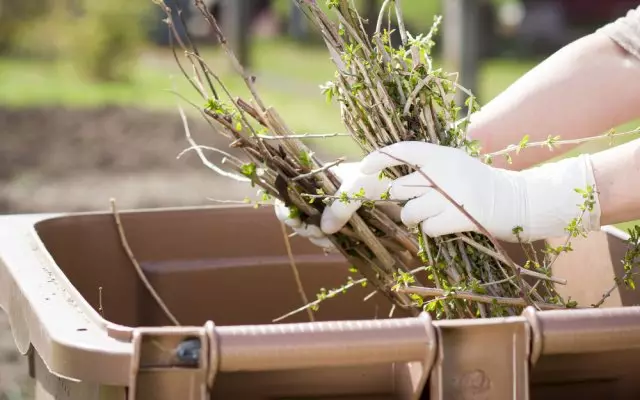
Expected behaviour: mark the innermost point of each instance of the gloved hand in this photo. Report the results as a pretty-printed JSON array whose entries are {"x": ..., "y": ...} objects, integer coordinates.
[
  {"x": 542, "y": 200},
  {"x": 352, "y": 181}
]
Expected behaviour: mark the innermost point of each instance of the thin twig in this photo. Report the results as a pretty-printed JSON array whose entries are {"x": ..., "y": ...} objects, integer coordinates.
[
  {"x": 203, "y": 158},
  {"x": 194, "y": 47},
  {"x": 347, "y": 198},
  {"x": 608, "y": 293},
  {"x": 249, "y": 81},
  {"x": 318, "y": 170},
  {"x": 100, "y": 307},
  {"x": 385, "y": 4},
  {"x": 330, "y": 294},
  {"x": 245, "y": 202},
  {"x": 294, "y": 269},
  {"x": 134, "y": 262},
  {"x": 302, "y": 136},
  {"x": 546, "y": 143},
  {"x": 508, "y": 301},
  {"x": 214, "y": 149},
  {"x": 500, "y": 257}
]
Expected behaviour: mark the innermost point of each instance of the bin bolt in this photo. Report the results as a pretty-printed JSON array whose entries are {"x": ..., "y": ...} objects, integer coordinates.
[{"x": 188, "y": 351}]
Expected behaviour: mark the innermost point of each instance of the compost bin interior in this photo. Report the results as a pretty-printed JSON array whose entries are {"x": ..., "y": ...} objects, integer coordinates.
[{"x": 230, "y": 265}]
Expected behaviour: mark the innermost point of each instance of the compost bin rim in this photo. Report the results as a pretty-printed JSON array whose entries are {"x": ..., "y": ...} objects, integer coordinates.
[
  {"x": 77, "y": 355},
  {"x": 46, "y": 312}
]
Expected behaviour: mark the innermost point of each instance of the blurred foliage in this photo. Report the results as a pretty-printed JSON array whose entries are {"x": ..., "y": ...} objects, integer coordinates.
[
  {"x": 109, "y": 36},
  {"x": 16, "y": 16},
  {"x": 102, "y": 38},
  {"x": 418, "y": 14}
]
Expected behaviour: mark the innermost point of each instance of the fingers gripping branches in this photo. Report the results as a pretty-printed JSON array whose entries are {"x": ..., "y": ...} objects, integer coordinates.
[{"x": 387, "y": 94}]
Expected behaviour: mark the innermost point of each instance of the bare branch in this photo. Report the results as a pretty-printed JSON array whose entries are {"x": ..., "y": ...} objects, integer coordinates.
[{"x": 203, "y": 158}]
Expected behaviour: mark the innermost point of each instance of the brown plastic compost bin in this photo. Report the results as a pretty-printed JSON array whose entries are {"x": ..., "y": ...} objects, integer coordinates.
[{"x": 92, "y": 330}]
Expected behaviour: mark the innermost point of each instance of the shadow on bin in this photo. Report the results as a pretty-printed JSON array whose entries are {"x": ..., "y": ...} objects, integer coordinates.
[{"x": 225, "y": 274}]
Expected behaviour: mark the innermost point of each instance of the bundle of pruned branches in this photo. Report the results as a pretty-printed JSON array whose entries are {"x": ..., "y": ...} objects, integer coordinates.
[{"x": 386, "y": 94}]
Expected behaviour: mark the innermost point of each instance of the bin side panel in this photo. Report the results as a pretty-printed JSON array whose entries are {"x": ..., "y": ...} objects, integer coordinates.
[
  {"x": 590, "y": 270},
  {"x": 51, "y": 387},
  {"x": 587, "y": 375}
]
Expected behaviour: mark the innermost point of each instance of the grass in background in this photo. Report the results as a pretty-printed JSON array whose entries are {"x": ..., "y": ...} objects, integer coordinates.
[{"x": 289, "y": 75}]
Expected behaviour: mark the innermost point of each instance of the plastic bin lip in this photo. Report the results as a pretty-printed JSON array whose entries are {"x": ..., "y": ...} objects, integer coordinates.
[
  {"x": 615, "y": 232},
  {"x": 45, "y": 311}
]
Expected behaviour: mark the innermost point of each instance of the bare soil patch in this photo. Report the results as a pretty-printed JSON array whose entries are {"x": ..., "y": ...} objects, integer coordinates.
[{"x": 62, "y": 159}]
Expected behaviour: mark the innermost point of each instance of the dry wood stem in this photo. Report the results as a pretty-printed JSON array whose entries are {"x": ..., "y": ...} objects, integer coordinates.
[
  {"x": 513, "y": 301},
  {"x": 294, "y": 269},
  {"x": 136, "y": 265}
]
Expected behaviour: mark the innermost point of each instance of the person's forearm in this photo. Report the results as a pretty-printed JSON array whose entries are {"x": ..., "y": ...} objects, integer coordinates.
[
  {"x": 583, "y": 90},
  {"x": 617, "y": 175}
]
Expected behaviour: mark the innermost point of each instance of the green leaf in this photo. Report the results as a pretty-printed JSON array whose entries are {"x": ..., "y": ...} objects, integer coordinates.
[
  {"x": 360, "y": 194},
  {"x": 248, "y": 170},
  {"x": 333, "y": 4},
  {"x": 305, "y": 159},
  {"x": 631, "y": 284},
  {"x": 551, "y": 141},
  {"x": 509, "y": 159},
  {"x": 523, "y": 143},
  {"x": 294, "y": 212}
]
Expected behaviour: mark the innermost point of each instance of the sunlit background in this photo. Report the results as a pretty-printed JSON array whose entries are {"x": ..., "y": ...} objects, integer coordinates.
[{"x": 87, "y": 110}]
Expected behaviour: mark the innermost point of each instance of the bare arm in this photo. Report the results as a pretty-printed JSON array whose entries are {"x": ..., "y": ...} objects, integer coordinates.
[
  {"x": 617, "y": 175},
  {"x": 585, "y": 89}
]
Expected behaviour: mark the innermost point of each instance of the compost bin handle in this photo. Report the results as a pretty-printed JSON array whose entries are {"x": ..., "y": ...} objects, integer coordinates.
[
  {"x": 326, "y": 344},
  {"x": 188, "y": 359},
  {"x": 576, "y": 331}
]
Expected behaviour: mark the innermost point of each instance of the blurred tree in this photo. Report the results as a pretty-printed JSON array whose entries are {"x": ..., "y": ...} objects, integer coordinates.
[
  {"x": 16, "y": 17},
  {"x": 108, "y": 37},
  {"x": 102, "y": 38}
]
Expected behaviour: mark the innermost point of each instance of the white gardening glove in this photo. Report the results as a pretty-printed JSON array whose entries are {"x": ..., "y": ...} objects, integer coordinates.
[
  {"x": 542, "y": 200},
  {"x": 352, "y": 181}
]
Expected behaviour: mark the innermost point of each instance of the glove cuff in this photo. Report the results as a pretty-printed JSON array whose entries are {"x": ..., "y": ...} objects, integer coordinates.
[
  {"x": 593, "y": 222},
  {"x": 552, "y": 199}
]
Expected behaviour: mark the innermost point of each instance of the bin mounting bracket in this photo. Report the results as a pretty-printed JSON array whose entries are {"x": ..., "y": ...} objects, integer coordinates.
[
  {"x": 488, "y": 360},
  {"x": 173, "y": 362}
]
